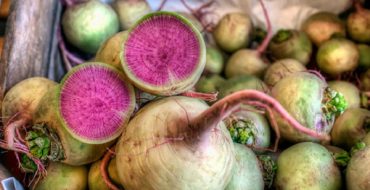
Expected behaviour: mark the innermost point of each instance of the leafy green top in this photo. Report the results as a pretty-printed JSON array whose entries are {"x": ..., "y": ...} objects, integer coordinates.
[
  {"x": 243, "y": 131},
  {"x": 334, "y": 104}
]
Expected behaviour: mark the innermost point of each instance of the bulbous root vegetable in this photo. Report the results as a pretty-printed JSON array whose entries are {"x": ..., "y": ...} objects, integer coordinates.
[
  {"x": 357, "y": 22},
  {"x": 196, "y": 132},
  {"x": 358, "y": 170},
  {"x": 129, "y": 11},
  {"x": 350, "y": 92},
  {"x": 280, "y": 69},
  {"x": 246, "y": 61}
]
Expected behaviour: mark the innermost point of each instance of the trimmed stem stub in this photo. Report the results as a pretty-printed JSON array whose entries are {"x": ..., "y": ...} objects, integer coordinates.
[
  {"x": 282, "y": 36},
  {"x": 95, "y": 102},
  {"x": 44, "y": 143},
  {"x": 334, "y": 104},
  {"x": 269, "y": 167},
  {"x": 243, "y": 131},
  {"x": 164, "y": 54}
]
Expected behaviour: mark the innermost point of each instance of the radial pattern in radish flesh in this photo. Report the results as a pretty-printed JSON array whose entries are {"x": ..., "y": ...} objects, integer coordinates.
[
  {"x": 164, "y": 54},
  {"x": 95, "y": 103}
]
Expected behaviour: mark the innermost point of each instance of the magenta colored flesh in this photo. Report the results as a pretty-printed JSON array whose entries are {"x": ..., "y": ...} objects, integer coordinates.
[
  {"x": 162, "y": 49},
  {"x": 93, "y": 102}
]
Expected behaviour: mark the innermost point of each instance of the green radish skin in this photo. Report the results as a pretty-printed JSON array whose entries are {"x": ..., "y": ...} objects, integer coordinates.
[
  {"x": 109, "y": 51},
  {"x": 280, "y": 69},
  {"x": 172, "y": 155},
  {"x": 95, "y": 179},
  {"x": 308, "y": 166},
  {"x": 129, "y": 11},
  {"x": 350, "y": 92},
  {"x": 291, "y": 44},
  {"x": 74, "y": 152},
  {"x": 193, "y": 20},
  {"x": 358, "y": 170},
  {"x": 240, "y": 83},
  {"x": 350, "y": 127},
  {"x": 364, "y": 60},
  {"x": 357, "y": 24},
  {"x": 321, "y": 26},
  {"x": 337, "y": 55},
  {"x": 304, "y": 96},
  {"x": 245, "y": 62},
  {"x": 172, "y": 83},
  {"x": 233, "y": 32},
  {"x": 63, "y": 176},
  {"x": 24, "y": 97},
  {"x": 340, "y": 156},
  {"x": 81, "y": 29},
  {"x": 214, "y": 61},
  {"x": 247, "y": 173},
  {"x": 209, "y": 84}
]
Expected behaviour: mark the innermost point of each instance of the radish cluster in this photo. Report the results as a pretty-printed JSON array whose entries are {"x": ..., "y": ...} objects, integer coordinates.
[{"x": 169, "y": 101}]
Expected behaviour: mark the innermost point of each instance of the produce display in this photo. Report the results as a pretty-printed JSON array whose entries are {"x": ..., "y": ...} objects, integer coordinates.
[{"x": 158, "y": 99}]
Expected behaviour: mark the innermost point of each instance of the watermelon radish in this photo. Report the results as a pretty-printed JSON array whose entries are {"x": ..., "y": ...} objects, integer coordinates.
[{"x": 164, "y": 54}]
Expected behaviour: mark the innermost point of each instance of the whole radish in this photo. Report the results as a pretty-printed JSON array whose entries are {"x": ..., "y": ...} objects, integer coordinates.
[
  {"x": 248, "y": 61},
  {"x": 233, "y": 32},
  {"x": 307, "y": 98},
  {"x": 350, "y": 127},
  {"x": 292, "y": 44},
  {"x": 181, "y": 143},
  {"x": 247, "y": 172},
  {"x": 321, "y": 26},
  {"x": 308, "y": 166},
  {"x": 337, "y": 55},
  {"x": 357, "y": 23},
  {"x": 88, "y": 24}
]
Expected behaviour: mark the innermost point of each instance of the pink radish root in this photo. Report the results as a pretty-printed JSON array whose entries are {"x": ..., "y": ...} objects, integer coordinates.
[
  {"x": 226, "y": 106},
  {"x": 103, "y": 169},
  {"x": 200, "y": 13},
  {"x": 68, "y": 57},
  {"x": 210, "y": 97},
  {"x": 268, "y": 37}
]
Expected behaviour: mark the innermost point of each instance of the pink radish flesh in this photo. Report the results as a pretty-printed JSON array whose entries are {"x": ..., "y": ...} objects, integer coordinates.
[
  {"x": 162, "y": 49},
  {"x": 94, "y": 102}
]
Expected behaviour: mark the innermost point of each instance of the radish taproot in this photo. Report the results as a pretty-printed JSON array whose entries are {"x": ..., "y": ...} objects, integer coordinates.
[
  {"x": 129, "y": 11},
  {"x": 181, "y": 143},
  {"x": 247, "y": 174},
  {"x": 164, "y": 54},
  {"x": 312, "y": 167},
  {"x": 308, "y": 99},
  {"x": 95, "y": 178},
  {"x": 321, "y": 26},
  {"x": 292, "y": 44},
  {"x": 79, "y": 23}
]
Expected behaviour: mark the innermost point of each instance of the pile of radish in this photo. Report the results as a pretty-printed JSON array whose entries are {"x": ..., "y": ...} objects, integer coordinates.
[{"x": 169, "y": 101}]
